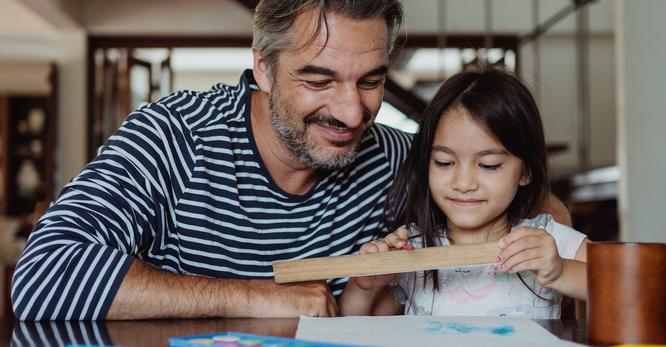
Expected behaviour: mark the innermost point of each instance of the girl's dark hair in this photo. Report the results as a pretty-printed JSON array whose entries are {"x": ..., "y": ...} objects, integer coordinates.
[{"x": 504, "y": 106}]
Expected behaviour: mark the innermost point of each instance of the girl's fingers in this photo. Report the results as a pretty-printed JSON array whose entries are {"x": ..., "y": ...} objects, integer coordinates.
[
  {"x": 545, "y": 276},
  {"x": 403, "y": 233},
  {"x": 528, "y": 265},
  {"x": 529, "y": 255},
  {"x": 333, "y": 309},
  {"x": 398, "y": 239},
  {"x": 394, "y": 240},
  {"x": 375, "y": 246},
  {"x": 520, "y": 245},
  {"x": 517, "y": 234}
]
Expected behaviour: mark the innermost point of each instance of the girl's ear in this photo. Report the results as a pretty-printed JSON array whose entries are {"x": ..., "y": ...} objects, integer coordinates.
[
  {"x": 525, "y": 177},
  {"x": 260, "y": 71}
]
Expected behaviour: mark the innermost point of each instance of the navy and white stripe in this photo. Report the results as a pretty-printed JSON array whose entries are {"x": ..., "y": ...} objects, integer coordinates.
[
  {"x": 180, "y": 186},
  {"x": 65, "y": 333}
]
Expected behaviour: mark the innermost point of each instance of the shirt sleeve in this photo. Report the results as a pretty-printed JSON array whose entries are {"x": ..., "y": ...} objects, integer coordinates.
[
  {"x": 567, "y": 239},
  {"x": 81, "y": 249}
]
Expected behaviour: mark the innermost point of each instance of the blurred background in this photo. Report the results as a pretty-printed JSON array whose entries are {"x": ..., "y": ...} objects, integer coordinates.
[{"x": 72, "y": 70}]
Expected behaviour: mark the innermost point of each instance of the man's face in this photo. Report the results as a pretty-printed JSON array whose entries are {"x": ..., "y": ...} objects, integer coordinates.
[{"x": 324, "y": 95}]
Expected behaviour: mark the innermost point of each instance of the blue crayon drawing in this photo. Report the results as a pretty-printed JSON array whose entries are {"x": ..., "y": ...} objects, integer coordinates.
[{"x": 459, "y": 328}]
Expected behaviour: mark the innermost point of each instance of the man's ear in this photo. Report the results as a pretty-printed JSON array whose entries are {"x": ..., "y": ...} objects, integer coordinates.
[
  {"x": 261, "y": 72},
  {"x": 525, "y": 177}
]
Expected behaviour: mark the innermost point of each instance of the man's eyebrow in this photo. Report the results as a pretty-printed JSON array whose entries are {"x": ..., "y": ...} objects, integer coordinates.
[
  {"x": 315, "y": 70},
  {"x": 320, "y": 70},
  {"x": 378, "y": 71}
]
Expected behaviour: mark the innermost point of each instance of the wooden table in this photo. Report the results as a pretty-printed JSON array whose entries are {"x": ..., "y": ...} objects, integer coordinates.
[{"x": 156, "y": 332}]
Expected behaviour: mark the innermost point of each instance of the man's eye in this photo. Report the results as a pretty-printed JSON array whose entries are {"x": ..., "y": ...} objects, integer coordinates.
[
  {"x": 318, "y": 84},
  {"x": 490, "y": 167},
  {"x": 370, "y": 84}
]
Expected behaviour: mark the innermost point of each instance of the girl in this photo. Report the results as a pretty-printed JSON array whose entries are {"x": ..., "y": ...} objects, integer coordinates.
[{"x": 481, "y": 149}]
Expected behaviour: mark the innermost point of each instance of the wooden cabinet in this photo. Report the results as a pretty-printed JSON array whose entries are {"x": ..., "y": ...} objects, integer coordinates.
[
  {"x": 27, "y": 133},
  {"x": 28, "y": 152}
]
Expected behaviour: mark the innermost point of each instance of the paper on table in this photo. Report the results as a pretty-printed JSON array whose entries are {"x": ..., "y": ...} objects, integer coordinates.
[{"x": 428, "y": 331}]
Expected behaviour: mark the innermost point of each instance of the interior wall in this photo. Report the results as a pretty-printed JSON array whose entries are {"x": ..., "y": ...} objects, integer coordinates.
[
  {"x": 202, "y": 80},
  {"x": 508, "y": 16},
  {"x": 557, "y": 97},
  {"x": 642, "y": 124},
  {"x": 72, "y": 121},
  {"x": 21, "y": 77},
  {"x": 557, "y": 94},
  {"x": 191, "y": 17},
  {"x": 215, "y": 17}
]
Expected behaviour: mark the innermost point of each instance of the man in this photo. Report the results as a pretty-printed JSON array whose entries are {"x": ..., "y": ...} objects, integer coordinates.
[
  {"x": 192, "y": 199},
  {"x": 188, "y": 204}
]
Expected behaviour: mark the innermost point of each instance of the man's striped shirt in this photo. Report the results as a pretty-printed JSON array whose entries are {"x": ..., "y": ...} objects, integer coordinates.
[{"x": 181, "y": 186}]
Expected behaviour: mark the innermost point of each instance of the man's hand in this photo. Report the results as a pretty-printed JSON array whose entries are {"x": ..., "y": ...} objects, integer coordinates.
[
  {"x": 312, "y": 299},
  {"x": 531, "y": 249},
  {"x": 147, "y": 292}
]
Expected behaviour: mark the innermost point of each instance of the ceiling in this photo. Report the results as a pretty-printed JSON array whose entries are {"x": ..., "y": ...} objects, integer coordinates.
[{"x": 29, "y": 18}]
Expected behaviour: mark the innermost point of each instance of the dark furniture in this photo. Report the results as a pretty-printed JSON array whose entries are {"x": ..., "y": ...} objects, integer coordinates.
[{"x": 157, "y": 332}]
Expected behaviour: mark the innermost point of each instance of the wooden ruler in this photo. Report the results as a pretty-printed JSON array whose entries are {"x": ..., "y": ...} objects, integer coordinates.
[{"x": 384, "y": 262}]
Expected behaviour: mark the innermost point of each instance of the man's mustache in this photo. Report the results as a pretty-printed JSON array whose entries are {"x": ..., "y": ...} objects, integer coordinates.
[{"x": 329, "y": 121}]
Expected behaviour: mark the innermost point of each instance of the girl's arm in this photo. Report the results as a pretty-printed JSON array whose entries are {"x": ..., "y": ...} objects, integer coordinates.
[
  {"x": 368, "y": 295},
  {"x": 356, "y": 301},
  {"x": 573, "y": 280},
  {"x": 535, "y": 250}
]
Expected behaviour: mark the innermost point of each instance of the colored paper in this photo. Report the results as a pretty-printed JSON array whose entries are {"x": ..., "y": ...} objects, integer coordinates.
[
  {"x": 234, "y": 339},
  {"x": 428, "y": 331}
]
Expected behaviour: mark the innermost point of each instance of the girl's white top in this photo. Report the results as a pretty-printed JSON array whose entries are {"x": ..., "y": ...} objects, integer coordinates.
[{"x": 484, "y": 290}]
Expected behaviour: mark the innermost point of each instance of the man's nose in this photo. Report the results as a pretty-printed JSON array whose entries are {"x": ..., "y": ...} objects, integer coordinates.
[{"x": 348, "y": 106}]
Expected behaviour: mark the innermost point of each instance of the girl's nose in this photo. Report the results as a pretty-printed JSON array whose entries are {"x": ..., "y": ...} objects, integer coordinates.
[{"x": 464, "y": 181}]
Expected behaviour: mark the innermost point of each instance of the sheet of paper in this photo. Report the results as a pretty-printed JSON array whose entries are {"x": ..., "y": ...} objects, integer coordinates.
[{"x": 428, "y": 331}]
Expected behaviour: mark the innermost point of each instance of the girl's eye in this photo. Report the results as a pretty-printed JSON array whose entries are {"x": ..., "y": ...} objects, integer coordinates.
[
  {"x": 490, "y": 167},
  {"x": 440, "y": 163}
]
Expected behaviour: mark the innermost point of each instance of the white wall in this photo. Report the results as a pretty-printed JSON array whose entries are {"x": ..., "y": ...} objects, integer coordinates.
[
  {"x": 72, "y": 121},
  {"x": 508, "y": 16},
  {"x": 21, "y": 77},
  {"x": 642, "y": 120},
  {"x": 29, "y": 43},
  {"x": 557, "y": 96},
  {"x": 203, "y": 80},
  {"x": 227, "y": 17},
  {"x": 177, "y": 17}
]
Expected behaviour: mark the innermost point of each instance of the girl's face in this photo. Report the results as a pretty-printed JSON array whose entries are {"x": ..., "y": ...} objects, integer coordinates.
[{"x": 472, "y": 177}]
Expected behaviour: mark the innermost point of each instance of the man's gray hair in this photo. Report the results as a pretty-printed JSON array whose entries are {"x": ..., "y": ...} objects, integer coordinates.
[{"x": 274, "y": 18}]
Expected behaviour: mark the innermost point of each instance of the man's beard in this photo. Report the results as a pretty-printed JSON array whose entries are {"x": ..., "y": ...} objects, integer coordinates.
[{"x": 297, "y": 139}]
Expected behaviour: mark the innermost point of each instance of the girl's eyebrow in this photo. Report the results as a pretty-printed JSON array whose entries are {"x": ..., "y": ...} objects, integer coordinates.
[
  {"x": 485, "y": 152},
  {"x": 492, "y": 152},
  {"x": 442, "y": 149}
]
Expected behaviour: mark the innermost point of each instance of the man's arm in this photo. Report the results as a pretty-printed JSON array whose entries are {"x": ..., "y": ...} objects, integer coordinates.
[
  {"x": 81, "y": 260},
  {"x": 147, "y": 292}
]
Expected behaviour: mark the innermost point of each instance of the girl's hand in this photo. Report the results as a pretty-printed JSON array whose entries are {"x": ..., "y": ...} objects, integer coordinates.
[
  {"x": 531, "y": 249},
  {"x": 394, "y": 241},
  {"x": 399, "y": 239}
]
